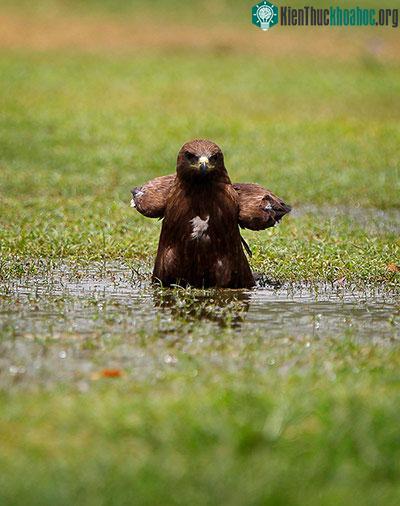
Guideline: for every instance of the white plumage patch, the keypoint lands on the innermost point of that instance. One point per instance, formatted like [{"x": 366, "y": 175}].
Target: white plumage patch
[
  {"x": 137, "y": 193},
  {"x": 199, "y": 228}
]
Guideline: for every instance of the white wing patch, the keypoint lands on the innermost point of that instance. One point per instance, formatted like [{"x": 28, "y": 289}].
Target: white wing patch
[
  {"x": 199, "y": 228},
  {"x": 136, "y": 194}
]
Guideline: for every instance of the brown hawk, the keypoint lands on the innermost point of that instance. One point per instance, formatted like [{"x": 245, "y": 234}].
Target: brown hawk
[{"x": 200, "y": 243}]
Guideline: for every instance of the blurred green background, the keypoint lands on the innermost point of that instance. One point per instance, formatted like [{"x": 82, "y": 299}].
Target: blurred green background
[{"x": 97, "y": 97}]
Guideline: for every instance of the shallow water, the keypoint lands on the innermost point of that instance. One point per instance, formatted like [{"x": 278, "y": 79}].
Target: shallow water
[{"x": 68, "y": 322}]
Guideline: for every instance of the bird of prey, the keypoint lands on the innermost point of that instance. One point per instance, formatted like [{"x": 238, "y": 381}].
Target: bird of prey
[{"x": 200, "y": 243}]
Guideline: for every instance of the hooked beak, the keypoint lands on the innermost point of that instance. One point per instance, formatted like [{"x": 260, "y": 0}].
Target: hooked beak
[{"x": 203, "y": 164}]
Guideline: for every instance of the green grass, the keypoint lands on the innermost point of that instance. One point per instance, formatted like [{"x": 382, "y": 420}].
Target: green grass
[
  {"x": 78, "y": 132},
  {"x": 239, "y": 418},
  {"x": 323, "y": 432}
]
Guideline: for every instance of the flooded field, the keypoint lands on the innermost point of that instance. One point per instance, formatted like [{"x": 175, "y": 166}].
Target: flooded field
[{"x": 69, "y": 322}]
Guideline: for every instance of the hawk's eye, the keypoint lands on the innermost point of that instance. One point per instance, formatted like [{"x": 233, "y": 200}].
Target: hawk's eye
[
  {"x": 191, "y": 157},
  {"x": 214, "y": 157}
]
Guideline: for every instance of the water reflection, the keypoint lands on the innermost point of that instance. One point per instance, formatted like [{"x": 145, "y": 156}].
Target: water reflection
[
  {"x": 111, "y": 301},
  {"x": 64, "y": 323},
  {"x": 225, "y": 307},
  {"x": 330, "y": 312}
]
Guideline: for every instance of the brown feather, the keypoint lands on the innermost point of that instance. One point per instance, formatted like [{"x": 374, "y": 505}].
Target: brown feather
[
  {"x": 217, "y": 259},
  {"x": 200, "y": 243},
  {"x": 150, "y": 199},
  {"x": 259, "y": 208}
]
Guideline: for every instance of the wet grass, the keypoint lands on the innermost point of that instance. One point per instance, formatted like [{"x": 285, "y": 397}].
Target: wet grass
[{"x": 206, "y": 408}]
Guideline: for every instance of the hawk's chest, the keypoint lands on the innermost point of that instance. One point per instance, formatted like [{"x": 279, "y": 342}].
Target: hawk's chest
[{"x": 201, "y": 215}]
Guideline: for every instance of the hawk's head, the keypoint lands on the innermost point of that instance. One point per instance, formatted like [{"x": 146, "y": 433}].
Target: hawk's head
[{"x": 200, "y": 158}]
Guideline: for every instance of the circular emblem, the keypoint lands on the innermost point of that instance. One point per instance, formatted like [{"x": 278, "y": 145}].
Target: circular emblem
[{"x": 264, "y": 15}]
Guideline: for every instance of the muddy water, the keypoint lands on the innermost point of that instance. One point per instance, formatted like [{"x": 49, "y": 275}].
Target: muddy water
[{"x": 68, "y": 322}]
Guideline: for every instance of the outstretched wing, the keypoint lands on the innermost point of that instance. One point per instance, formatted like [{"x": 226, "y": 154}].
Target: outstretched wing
[
  {"x": 259, "y": 208},
  {"x": 150, "y": 199}
]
